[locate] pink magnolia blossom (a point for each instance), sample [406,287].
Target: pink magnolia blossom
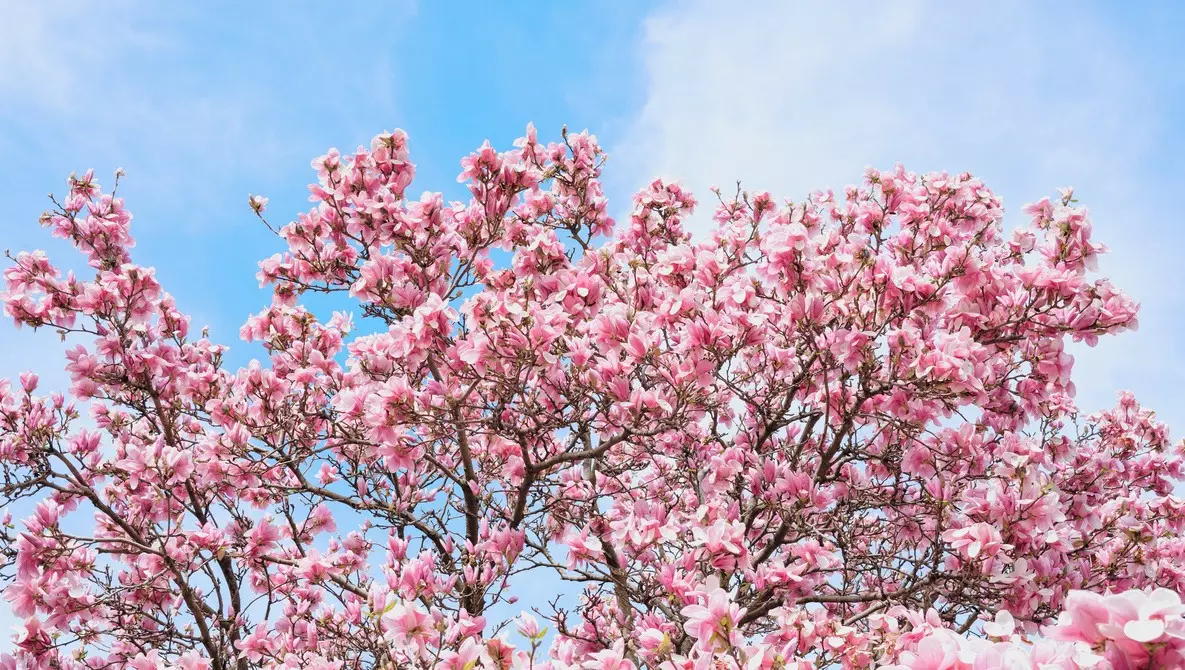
[714,623]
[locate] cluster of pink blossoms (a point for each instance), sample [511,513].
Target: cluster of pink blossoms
[832,433]
[1131,630]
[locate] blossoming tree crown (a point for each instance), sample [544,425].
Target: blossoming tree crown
[837,432]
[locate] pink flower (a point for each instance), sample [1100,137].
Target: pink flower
[714,624]
[1132,626]
[258,203]
[257,645]
[1147,617]
[974,540]
[407,624]
[464,658]
[31,637]
[937,651]
[1002,626]
[528,627]
[610,659]
[1084,613]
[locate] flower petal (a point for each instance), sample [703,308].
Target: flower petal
[1143,630]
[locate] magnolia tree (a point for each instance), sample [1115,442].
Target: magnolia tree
[830,433]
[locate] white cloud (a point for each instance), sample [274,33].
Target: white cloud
[789,97]
[49,49]
[191,100]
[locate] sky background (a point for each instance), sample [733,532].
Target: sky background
[204,103]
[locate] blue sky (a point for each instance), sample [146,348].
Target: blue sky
[203,103]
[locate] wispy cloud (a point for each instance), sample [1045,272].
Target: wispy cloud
[189,99]
[788,97]
[50,50]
